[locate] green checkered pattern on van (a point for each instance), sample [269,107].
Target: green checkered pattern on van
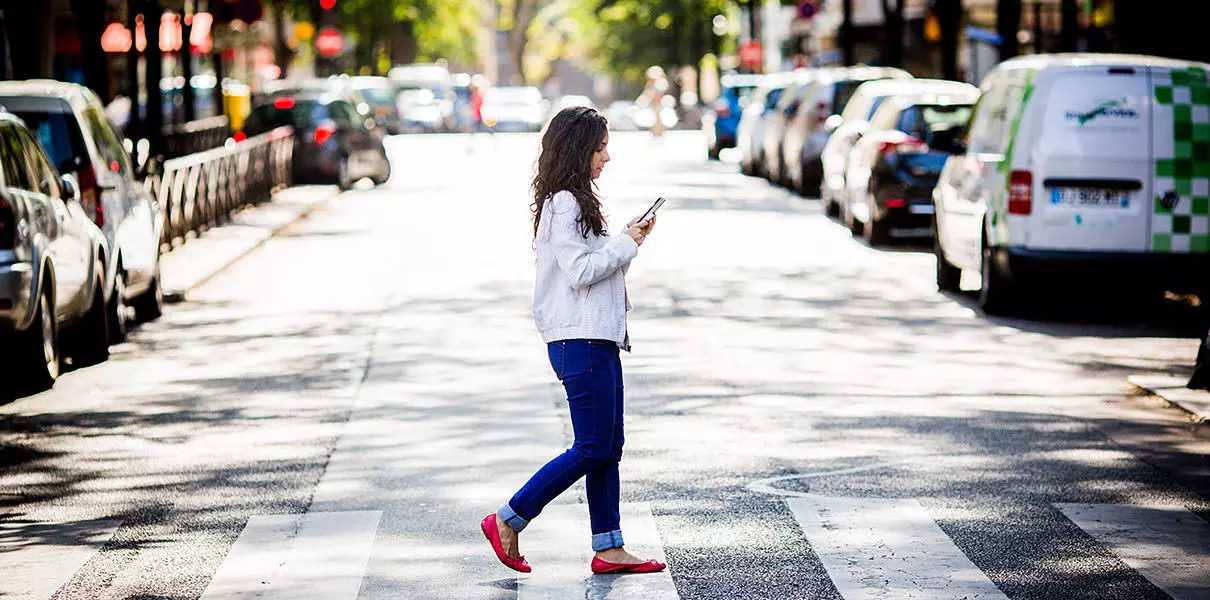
[1182,161]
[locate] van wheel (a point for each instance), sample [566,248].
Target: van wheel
[712,153]
[116,310]
[996,294]
[38,354]
[949,277]
[90,339]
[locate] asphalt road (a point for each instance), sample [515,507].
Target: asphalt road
[807,417]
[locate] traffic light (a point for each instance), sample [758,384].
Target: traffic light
[327,4]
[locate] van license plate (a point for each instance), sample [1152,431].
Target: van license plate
[1090,197]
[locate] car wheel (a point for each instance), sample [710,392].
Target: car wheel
[382,177]
[90,339]
[116,310]
[850,221]
[149,305]
[831,208]
[996,294]
[37,366]
[949,277]
[875,232]
[344,180]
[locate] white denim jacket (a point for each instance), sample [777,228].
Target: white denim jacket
[580,291]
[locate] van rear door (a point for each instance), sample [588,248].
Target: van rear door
[1180,209]
[1091,167]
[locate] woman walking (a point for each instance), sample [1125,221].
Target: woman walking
[580,308]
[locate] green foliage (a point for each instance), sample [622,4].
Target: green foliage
[443,28]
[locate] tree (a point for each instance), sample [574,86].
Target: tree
[892,55]
[90,24]
[1008,22]
[516,18]
[949,19]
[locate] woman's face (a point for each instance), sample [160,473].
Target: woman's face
[600,157]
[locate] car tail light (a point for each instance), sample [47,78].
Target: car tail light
[239,136]
[896,203]
[324,131]
[1020,193]
[90,196]
[283,103]
[902,144]
[8,225]
[722,108]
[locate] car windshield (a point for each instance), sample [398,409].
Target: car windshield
[378,95]
[920,119]
[289,111]
[52,124]
[844,92]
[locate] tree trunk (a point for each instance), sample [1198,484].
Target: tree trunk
[524,12]
[949,19]
[90,23]
[894,34]
[403,45]
[152,16]
[846,35]
[1070,36]
[1008,22]
[281,50]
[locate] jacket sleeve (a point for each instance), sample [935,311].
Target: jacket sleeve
[581,265]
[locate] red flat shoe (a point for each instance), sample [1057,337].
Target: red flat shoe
[493,536]
[601,567]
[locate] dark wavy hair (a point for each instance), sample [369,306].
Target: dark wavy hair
[565,163]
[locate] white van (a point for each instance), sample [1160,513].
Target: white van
[1084,169]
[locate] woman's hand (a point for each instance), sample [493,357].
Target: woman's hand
[636,233]
[645,226]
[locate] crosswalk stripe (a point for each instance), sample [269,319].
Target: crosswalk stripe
[313,556]
[1169,545]
[36,559]
[883,549]
[558,546]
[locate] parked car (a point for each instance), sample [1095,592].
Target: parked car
[333,141]
[70,123]
[1080,169]
[750,134]
[381,94]
[893,168]
[52,267]
[420,111]
[854,120]
[569,100]
[721,122]
[518,108]
[463,114]
[434,78]
[778,120]
[816,117]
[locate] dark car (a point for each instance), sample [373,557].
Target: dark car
[722,123]
[894,167]
[382,95]
[334,142]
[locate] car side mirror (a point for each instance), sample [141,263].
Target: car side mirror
[70,186]
[833,123]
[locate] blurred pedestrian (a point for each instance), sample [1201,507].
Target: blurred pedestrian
[653,95]
[580,306]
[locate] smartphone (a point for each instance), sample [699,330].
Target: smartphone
[651,211]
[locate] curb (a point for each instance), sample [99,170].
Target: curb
[1172,390]
[179,295]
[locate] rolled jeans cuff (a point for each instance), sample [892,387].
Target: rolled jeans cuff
[511,518]
[607,540]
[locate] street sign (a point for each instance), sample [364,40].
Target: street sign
[807,9]
[329,42]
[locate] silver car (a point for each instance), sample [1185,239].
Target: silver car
[70,123]
[52,260]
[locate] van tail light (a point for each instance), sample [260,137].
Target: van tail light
[8,225]
[1020,193]
[90,196]
[902,144]
[324,132]
[239,136]
[722,108]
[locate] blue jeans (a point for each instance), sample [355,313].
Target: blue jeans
[591,372]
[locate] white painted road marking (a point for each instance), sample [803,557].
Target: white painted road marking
[1169,545]
[36,559]
[558,545]
[313,556]
[883,549]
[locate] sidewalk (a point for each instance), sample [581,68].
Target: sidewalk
[193,263]
[1173,391]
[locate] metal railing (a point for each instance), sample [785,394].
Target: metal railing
[195,136]
[200,190]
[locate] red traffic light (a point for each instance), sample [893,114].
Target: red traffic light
[327,4]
